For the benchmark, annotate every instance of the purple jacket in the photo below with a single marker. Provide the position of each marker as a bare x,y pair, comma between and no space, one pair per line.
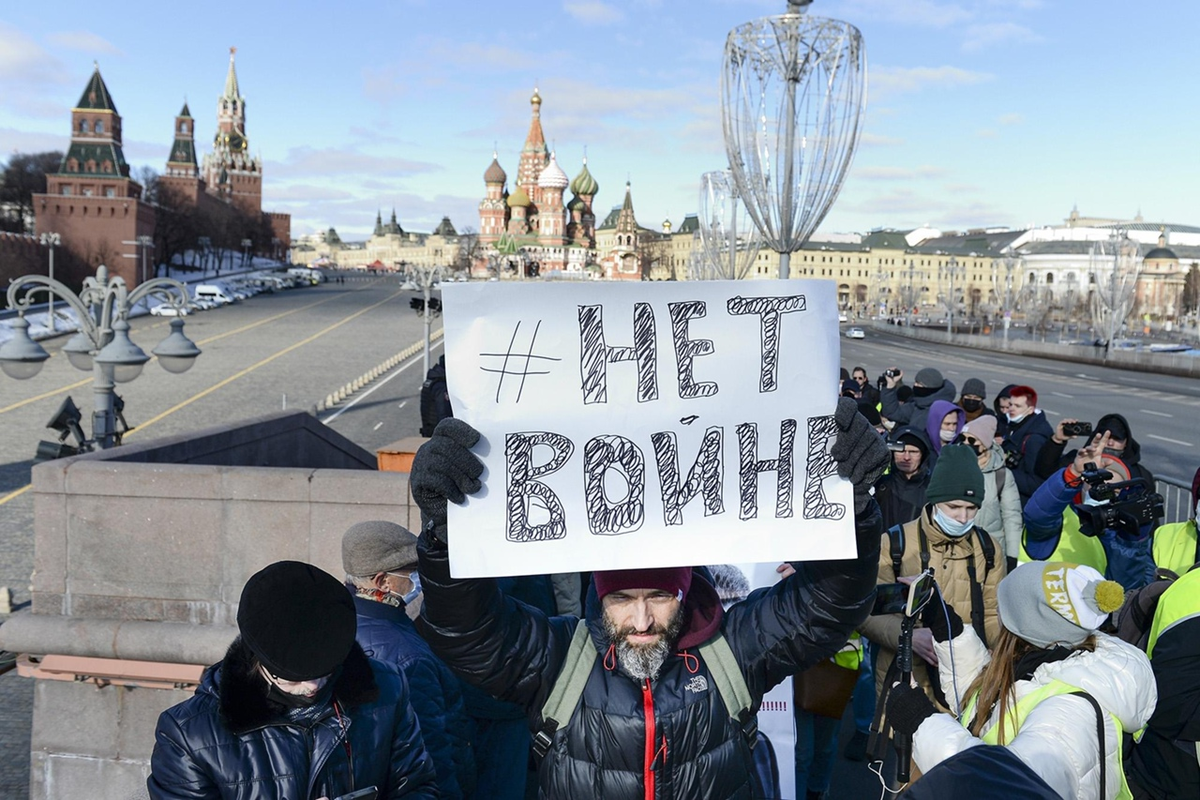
933,423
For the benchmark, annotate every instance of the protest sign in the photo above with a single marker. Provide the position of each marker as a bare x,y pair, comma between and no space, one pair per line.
646,424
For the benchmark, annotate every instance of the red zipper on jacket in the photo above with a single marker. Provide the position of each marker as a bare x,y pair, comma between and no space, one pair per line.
648,761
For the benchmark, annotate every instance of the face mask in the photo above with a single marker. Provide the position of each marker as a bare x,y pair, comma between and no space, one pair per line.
1108,451
415,591
947,436
285,698
952,528
1013,420
972,405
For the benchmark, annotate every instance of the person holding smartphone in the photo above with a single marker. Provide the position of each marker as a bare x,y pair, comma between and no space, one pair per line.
295,710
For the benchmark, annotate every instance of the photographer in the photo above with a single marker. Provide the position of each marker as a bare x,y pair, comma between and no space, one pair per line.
1120,444
1070,518
928,387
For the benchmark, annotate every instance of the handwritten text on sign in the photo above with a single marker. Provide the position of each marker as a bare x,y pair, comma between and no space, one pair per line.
639,425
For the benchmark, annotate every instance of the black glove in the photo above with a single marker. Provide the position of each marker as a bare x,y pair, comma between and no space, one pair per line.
859,451
934,618
445,469
907,708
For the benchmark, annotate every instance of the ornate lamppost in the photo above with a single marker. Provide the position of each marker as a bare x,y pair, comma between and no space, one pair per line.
793,88
102,344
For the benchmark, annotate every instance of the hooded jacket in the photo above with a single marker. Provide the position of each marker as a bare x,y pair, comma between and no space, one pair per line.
949,557
230,741
1027,438
1000,513
1052,457
671,737
933,422
916,410
1058,739
388,635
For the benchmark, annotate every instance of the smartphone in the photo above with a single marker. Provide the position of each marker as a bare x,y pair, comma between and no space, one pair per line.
1077,429
919,593
890,598
369,793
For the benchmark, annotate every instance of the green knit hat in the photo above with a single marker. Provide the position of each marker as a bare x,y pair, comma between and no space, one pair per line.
956,476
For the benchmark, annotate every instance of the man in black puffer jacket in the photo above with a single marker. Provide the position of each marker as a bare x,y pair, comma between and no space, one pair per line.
295,710
651,722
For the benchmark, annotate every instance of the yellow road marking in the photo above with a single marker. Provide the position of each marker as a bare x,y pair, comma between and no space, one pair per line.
242,373
44,395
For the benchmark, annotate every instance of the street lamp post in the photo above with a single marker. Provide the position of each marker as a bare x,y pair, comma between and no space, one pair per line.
102,344
246,245
424,277
952,269
911,299
146,243
51,240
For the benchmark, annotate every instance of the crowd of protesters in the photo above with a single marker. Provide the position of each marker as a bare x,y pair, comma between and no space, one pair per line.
1058,655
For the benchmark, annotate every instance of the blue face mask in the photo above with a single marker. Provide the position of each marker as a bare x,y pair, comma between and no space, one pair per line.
415,591
952,527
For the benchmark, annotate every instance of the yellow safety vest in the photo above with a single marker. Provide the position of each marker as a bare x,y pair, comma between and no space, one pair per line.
1019,712
1180,602
851,654
1074,547
1175,546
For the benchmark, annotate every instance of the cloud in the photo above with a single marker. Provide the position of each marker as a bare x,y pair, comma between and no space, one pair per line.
982,36
594,12
304,192
1011,119
84,42
898,173
30,76
878,140
987,133
17,141
923,13
310,162
896,80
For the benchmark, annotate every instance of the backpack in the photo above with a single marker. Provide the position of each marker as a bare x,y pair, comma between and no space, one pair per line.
986,543
577,668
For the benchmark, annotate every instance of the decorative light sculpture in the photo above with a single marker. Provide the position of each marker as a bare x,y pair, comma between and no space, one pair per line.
729,238
1116,265
793,88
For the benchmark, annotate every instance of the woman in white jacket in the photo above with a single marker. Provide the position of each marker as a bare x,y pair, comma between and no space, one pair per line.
1050,685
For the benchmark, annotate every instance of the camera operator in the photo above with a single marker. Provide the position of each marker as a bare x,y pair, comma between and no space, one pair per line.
928,387
1089,513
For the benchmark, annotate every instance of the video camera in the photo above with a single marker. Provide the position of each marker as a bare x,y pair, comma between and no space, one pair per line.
1012,455
1130,504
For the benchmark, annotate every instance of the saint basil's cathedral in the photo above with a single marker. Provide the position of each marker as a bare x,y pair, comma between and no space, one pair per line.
532,229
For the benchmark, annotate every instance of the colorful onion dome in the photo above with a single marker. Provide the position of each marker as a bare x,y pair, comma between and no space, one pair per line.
519,198
584,183
495,173
552,176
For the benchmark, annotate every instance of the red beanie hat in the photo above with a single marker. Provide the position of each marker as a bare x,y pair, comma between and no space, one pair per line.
675,580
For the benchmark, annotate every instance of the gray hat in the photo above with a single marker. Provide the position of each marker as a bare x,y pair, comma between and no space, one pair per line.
930,377
1052,602
377,546
974,386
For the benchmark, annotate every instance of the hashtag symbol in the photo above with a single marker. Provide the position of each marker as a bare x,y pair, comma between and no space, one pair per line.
512,360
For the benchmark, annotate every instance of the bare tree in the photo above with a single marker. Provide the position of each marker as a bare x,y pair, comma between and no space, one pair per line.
23,177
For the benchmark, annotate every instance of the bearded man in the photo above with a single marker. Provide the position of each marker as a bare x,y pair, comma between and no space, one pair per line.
650,720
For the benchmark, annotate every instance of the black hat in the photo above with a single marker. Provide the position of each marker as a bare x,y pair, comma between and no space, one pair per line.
297,620
868,410
976,387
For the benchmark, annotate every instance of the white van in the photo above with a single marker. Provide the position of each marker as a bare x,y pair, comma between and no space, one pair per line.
304,275
214,292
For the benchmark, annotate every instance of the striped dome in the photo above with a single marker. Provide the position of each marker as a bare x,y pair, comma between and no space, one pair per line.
552,176
584,183
495,173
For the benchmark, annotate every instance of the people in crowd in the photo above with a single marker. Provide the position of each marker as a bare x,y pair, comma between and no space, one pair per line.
380,560
1053,689
1000,406
1061,523
1164,762
1027,431
943,424
435,397
974,392
643,634
944,538
851,389
1176,545
294,709
869,392
901,492
1000,513
871,413
928,387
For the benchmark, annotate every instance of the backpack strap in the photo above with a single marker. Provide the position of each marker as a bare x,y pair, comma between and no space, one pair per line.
988,545
1100,738
731,684
568,688
896,548
999,480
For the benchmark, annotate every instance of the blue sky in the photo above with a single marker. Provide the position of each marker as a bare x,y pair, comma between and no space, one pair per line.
980,112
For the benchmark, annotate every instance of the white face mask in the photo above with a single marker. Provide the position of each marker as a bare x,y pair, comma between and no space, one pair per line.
947,436
1013,420
952,527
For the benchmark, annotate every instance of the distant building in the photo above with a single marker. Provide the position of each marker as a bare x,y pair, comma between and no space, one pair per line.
389,248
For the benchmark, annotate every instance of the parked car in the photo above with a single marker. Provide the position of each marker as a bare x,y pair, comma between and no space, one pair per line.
842,318
169,310
855,333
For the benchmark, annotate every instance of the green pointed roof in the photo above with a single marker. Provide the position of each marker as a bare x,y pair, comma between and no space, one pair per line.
445,228
231,82
95,95
185,112
507,245
584,183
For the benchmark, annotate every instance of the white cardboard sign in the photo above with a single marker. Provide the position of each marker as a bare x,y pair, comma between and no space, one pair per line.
646,424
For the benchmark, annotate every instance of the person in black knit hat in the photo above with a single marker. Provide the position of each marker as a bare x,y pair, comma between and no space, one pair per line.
295,709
